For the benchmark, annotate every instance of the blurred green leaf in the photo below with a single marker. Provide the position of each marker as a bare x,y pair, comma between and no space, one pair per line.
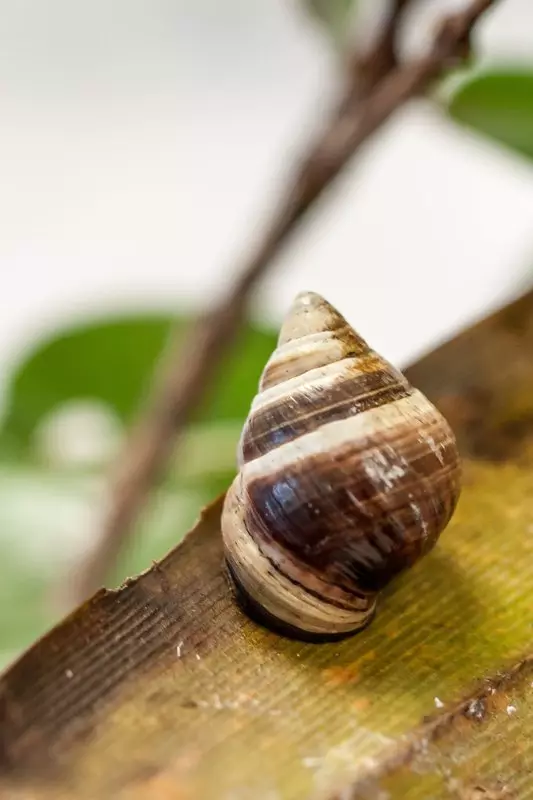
498,104
112,362
108,361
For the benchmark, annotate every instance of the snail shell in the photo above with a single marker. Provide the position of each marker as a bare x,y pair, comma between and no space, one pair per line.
347,476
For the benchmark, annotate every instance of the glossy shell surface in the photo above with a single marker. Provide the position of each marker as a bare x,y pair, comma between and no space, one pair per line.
347,476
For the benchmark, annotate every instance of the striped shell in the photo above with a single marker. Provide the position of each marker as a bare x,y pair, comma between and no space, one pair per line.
348,475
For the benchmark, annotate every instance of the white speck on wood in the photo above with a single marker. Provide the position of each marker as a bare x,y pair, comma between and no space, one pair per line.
69,674
438,703
178,649
511,710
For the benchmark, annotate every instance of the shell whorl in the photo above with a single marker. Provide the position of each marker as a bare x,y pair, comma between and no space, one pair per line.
347,476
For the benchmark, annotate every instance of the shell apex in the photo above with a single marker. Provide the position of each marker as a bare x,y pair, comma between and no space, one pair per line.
309,313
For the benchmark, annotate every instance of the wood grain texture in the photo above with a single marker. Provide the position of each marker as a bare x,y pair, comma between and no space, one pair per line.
164,689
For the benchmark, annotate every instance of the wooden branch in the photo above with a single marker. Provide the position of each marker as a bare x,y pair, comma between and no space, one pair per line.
191,366
164,688
368,69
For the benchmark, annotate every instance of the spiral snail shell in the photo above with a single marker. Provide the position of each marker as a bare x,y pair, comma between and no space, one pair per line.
347,476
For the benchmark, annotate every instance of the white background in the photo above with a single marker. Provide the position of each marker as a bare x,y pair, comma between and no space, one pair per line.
143,141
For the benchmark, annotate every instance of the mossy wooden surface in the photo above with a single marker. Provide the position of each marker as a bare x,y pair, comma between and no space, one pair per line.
163,689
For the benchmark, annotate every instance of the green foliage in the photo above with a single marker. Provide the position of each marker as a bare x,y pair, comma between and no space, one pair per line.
112,362
498,104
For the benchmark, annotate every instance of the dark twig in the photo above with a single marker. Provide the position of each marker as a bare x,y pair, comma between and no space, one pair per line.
191,366
367,69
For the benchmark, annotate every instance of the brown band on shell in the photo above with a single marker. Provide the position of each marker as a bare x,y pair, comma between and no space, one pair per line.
318,350
285,589
305,410
294,574
259,614
341,519
314,334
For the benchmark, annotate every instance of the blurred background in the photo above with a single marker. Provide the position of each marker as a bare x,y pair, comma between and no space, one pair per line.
142,147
